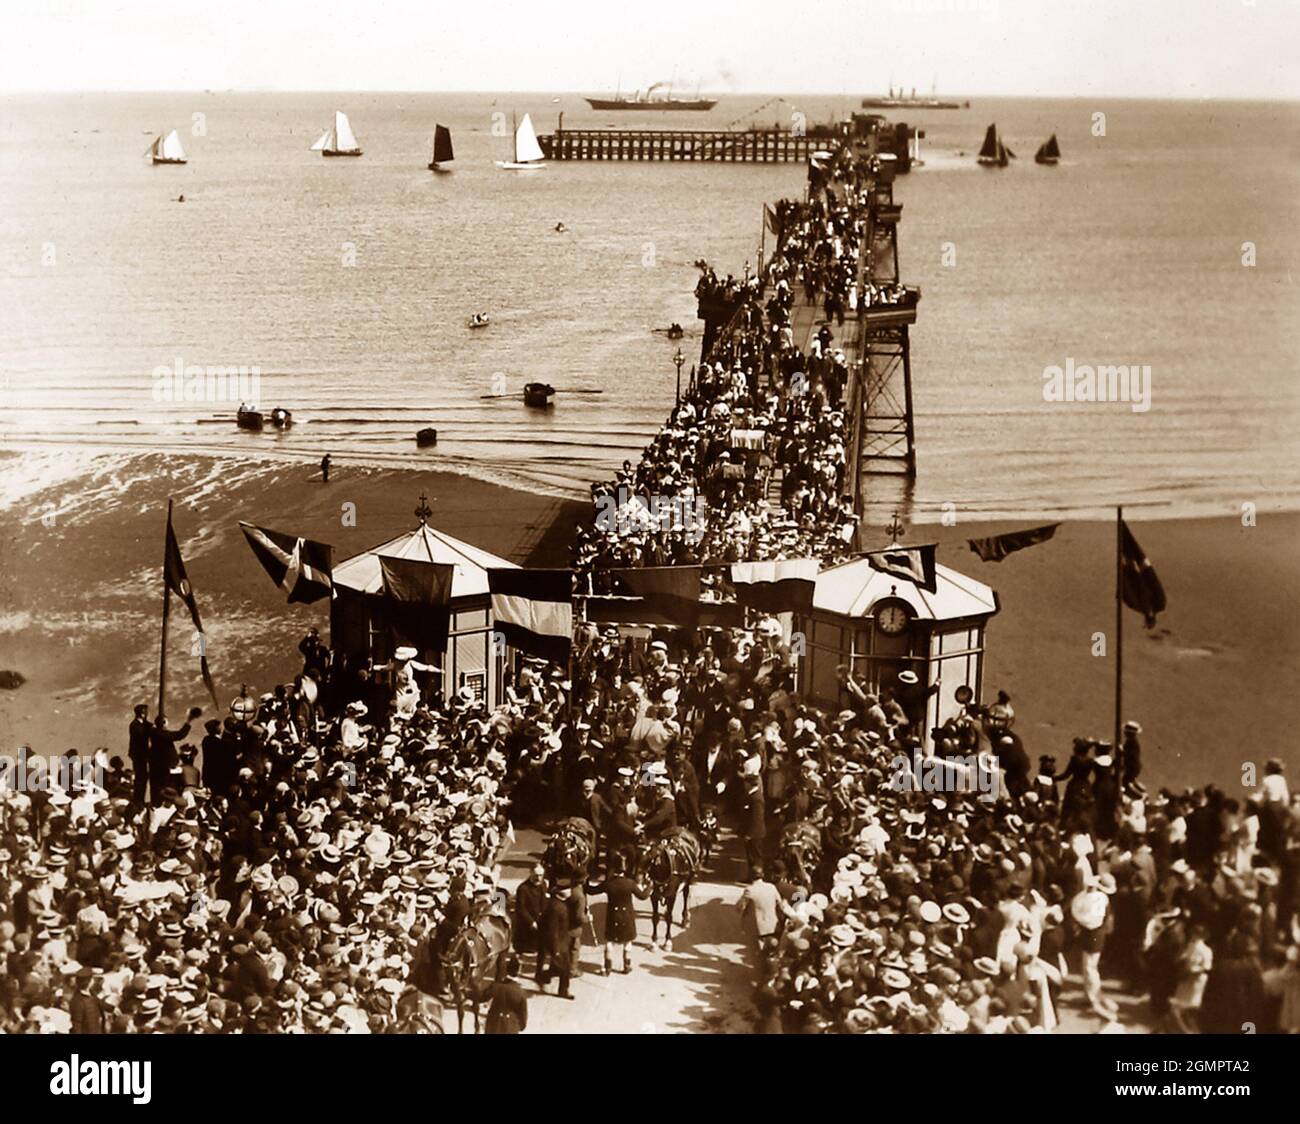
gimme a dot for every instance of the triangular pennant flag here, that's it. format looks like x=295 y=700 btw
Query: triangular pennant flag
x=997 y=547
x=178 y=582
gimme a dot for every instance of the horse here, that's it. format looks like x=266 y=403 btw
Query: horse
x=471 y=963
x=570 y=849
x=667 y=864
x=418 y=1013
x=800 y=847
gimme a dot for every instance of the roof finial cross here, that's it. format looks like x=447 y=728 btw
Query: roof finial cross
x=423 y=512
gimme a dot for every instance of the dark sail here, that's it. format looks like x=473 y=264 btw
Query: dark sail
x=1008 y=152
x=1051 y=148
x=442 y=145
x=990 y=149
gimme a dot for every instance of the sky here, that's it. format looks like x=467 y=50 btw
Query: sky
x=1043 y=48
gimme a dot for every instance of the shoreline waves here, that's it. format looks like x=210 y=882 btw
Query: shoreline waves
x=1211 y=684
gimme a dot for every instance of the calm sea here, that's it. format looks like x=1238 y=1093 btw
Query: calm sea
x=348 y=283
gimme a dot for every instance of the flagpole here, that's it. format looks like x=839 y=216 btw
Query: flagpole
x=166 y=616
x=1119 y=622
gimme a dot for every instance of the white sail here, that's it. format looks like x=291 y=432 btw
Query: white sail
x=171 y=147
x=526 y=146
x=325 y=140
x=344 y=141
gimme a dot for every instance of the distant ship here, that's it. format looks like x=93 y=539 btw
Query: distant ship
x=899 y=100
x=993 y=153
x=339 y=140
x=1049 y=152
x=652 y=101
x=167 y=150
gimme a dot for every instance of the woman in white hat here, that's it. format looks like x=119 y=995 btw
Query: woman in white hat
x=407 y=690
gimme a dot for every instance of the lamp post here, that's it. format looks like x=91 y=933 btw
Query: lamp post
x=679 y=359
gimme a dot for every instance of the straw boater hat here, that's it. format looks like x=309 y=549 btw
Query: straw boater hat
x=1089 y=909
x=404 y=653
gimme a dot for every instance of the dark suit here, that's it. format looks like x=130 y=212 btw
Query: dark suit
x=688 y=798
x=87 y=1014
x=530 y=904
x=721 y=772
x=662 y=820
x=554 y=956
x=509 y=1011
x=138 y=752
x=163 y=758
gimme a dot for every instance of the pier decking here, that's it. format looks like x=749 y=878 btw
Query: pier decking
x=875 y=341
x=775 y=145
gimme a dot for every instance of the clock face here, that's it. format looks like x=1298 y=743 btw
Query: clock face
x=892 y=618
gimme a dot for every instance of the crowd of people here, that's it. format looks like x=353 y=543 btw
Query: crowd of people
x=307 y=865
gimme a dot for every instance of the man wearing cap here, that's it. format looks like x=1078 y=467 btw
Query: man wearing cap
x=84 y=1008
x=620 y=912
x=138 y=752
x=1130 y=755
x=508 y=1012
x=555 y=944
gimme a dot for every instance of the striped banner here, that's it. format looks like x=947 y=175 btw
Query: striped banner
x=533 y=610
x=776 y=587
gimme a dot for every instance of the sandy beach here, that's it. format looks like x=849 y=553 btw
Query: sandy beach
x=79 y=607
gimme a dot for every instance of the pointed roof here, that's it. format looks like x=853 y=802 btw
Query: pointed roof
x=853 y=589
x=362 y=573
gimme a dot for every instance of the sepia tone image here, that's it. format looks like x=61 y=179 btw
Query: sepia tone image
x=696 y=518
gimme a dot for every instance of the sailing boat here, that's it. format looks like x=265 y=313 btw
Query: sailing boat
x=339 y=140
x=993 y=153
x=1049 y=152
x=442 y=153
x=528 y=153
x=167 y=150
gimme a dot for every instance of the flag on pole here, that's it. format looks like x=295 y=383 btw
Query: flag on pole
x=419 y=596
x=1140 y=588
x=301 y=567
x=533 y=610
x=997 y=547
x=913 y=564
x=776 y=587
x=178 y=582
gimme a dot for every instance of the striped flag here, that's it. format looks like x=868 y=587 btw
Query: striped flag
x=913 y=564
x=299 y=566
x=776 y=587
x=533 y=610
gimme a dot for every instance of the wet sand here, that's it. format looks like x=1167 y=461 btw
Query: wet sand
x=80 y=596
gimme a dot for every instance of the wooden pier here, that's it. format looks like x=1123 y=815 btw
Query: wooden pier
x=773 y=145
x=882 y=438
x=752 y=146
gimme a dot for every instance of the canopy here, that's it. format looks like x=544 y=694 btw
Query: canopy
x=362 y=572
x=853 y=589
